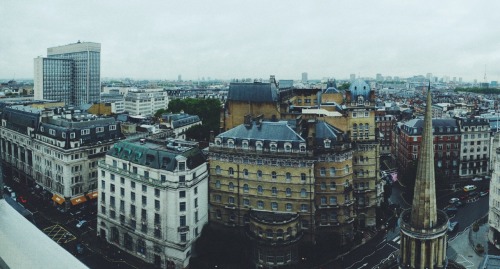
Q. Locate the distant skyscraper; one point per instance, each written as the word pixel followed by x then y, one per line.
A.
pixel 379 77
pixel 179 78
pixel 70 73
pixel 304 77
pixel 460 79
pixel 352 77
pixel 429 76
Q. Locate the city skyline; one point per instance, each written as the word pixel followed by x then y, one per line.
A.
pixel 219 40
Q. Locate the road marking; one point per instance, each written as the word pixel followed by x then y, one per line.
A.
pixel 396 239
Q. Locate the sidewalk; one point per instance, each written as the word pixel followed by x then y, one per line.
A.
pixel 461 247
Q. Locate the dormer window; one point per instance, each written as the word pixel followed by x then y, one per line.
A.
pixel 258 145
pixel 302 147
pixel 217 141
pixel 288 147
pixel 361 100
pixel 273 146
pixel 230 143
pixel 244 144
pixel 327 143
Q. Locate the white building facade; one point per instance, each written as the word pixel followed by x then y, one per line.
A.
pixel 153 199
pixel 475 148
pixel 145 102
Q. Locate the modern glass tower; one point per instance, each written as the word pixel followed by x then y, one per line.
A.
pixel 70 73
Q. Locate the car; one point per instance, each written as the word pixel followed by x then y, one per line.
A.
pixel 7 188
pixel 81 223
pixel 452 226
pixel 470 188
pixel 454 200
pixel 21 199
pixel 13 196
pixel 451 211
pixel 484 193
pixel 458 204
pixel 75 213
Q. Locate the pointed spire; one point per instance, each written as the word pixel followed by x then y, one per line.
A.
pixel 423 212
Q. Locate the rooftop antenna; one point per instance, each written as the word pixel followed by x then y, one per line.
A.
pixel 485 80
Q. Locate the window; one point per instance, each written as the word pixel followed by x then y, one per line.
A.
pixel 288 207
pixel 260 190
pixel 217 170
pixel 323 200
pixel 273 175
pixel 259 174
pixel 144 188
pixel 288 177
pixel 132 196
pixel 195 202
pixel 303 193
pixel 182 206
pixel 231 172
pixel 157 204
pixel 144 200
pixel 322 171
pixel 157 192
pixel 333 186
pixel 303 208
pixel 217 184
pixel 332 171
pixel 260 204
pixel 274 206
pixel 231 200
pixel 245 173
pixel 246 202
pixel 303 176
pixel 333 200
pixel 323 186
pixel 288 192
pixel 274 191
pixel 231 186
pixel 132 184
pixel 245 188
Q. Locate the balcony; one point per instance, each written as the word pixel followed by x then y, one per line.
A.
pixel 183 229
pixel 348 189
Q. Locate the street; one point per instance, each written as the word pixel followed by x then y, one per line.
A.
pixel 379 248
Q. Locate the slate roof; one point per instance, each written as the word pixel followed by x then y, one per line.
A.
pixel 359 87
pixel 324 131
pixel 157 155
pixel 253 92
pixel 439 126
pixel 276 131
pixel 181 119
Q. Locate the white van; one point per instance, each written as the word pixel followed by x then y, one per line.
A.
pixel 470 188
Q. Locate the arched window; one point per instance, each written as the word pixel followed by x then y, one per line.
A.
pixel 274 206
pixel 245 173
pixel 302 148
pixel 346 169
pixel 332 171
pixel 288 148
pixel 333 186
pixel 258 145
pixel 231 186
pixel 230 144
pixel 217 170
pixel 115 235
pixel 273 147
pixel 323 200
pixel 354 127
pixel 279 233
pixel 322 171
pixel 269 233
pixel 333 200
pixel 260 190
pixel 231 171
pixel 217 184
pixel 288 192
pixel 245 188
pixel 259 174
pixel 288 177
pixel 274 191
pixel 289 207
pixel 260 204
pixel 303 193
pixel 273 174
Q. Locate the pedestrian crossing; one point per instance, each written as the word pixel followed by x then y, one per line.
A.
pixel 397 239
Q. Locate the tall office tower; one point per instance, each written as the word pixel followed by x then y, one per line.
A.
pixel 352 77
pixel 429 76
pixel 460 80
pixel 70 73
pixel 424 227
pixel 304 77
pixel 179 78
pixel 379 77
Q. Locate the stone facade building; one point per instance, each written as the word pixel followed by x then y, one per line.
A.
pixel 153 199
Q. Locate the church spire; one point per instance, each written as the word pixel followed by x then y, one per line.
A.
pixel 423 212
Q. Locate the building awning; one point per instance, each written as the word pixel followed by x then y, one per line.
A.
pixel 58 199
pixel 78 200
pixel 92 195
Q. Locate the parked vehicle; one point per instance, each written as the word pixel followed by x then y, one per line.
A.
pixel 21 199
pixel 470 188
pixel 81 223
pixel 458 204
pixel 452 226
pixel 451 211
pixel 454 200
pixel 13 196
pixel 484 193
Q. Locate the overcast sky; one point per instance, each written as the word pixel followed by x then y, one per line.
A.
pixel 253 39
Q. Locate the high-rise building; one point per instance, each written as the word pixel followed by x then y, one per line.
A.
pixel 352 77
pixel 70 73
pixel 304 77
pixel 429 76
pixel 379 77
pixel 424 227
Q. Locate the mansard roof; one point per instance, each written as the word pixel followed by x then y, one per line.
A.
pixel 266 130
pixel 439 126
pixel 157 154
pixel 253 92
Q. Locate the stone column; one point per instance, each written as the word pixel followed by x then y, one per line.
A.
pixel 440 252
pixel 432 258
pixel 403 249
pixel 413 250
pixel 423 256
